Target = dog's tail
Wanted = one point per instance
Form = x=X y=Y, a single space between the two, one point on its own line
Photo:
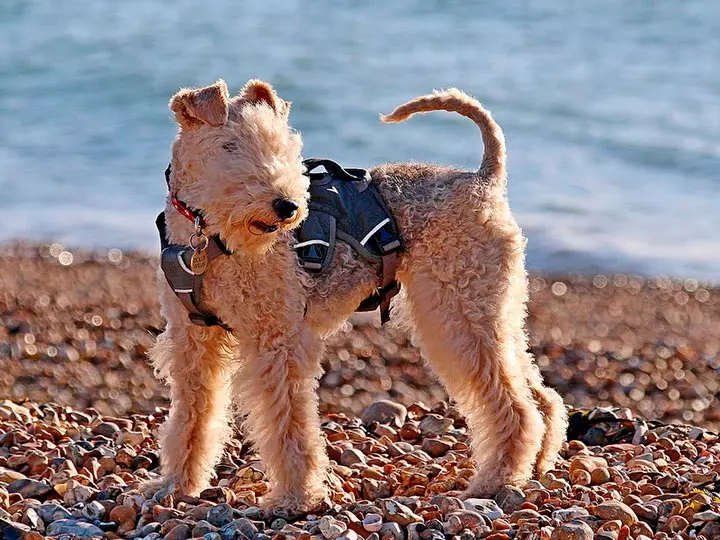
x=454 y=100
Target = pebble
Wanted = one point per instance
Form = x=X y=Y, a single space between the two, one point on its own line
x=398 y=513
x=72 y=527
x=220 y=515
x=570 y=514
x=29 y=488
x=611 y=510
x=332 y=528
x=463 y=519
x=436 y=447
x=485 y=507
x=372 y=522
x=434 y=424
x=576 y=530
x=510 y=498
x=390 y=530
x=49 y=512
x=385 y=412
x=94 y=510
x=352 y=457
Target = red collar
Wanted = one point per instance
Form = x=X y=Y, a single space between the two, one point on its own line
x=183 y=209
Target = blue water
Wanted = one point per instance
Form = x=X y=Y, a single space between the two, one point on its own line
x=611 y=110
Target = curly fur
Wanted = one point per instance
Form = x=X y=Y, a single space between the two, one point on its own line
x=464 y=296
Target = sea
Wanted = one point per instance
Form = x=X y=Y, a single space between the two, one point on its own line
x=611 y=111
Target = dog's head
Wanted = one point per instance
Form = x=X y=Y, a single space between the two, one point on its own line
x=237 y=160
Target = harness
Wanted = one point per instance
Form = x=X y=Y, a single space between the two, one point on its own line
x=344 y=205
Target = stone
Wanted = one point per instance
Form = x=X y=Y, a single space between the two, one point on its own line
x=375 y=489
x=485 y=507
x=239 y=528
x=510 y=498
x=463 y=519
x=145 y=530
x=31 y=517
x=94 y=510
x=332 y=528
x=77 y=493
x=390 y=531
x=12 y=530
x=587 y=463
x=73 y=527
x=49 y=512
x=123 y=514
x=203 y=527
x=385 y=412
x=711 y=530
x=436 y=447
x=181 y=531
x=610 y=510
x=351 y=457
x=676 y=524
x=106 y=429
x=220 y=515
x=576 y=530
x=30 y=489
x=707 y=515
x=398 y=513
x=8 y=476
x=523 y=515
x=434 y=424
x=568 y=514
x=600 y=476
x=372 y=522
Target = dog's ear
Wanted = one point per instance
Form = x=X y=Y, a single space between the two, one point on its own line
x=257 y=91
x=208 y=105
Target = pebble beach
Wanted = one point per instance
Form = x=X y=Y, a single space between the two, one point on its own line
x=635 y=358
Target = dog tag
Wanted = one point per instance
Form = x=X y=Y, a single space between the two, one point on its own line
x=199 y=262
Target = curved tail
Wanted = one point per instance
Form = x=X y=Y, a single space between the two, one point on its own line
x=454 y=100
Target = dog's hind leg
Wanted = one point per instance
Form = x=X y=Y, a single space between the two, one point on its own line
x=276 y=389
x=556 y=420
x=461 y=291
x=194 y=361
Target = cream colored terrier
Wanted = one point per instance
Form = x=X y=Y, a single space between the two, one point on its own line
x=463 y=291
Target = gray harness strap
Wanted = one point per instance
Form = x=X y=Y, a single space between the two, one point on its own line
x=187 y=286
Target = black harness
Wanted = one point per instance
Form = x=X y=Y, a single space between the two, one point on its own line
x=344 y=204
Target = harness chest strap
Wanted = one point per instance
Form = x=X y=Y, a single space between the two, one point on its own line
x=187 y=285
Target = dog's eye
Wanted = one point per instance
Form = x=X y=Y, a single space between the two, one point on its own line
x=230 y=146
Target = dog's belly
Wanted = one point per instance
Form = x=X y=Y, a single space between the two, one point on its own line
x=334 y=294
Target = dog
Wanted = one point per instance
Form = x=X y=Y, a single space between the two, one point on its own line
x=236 y=160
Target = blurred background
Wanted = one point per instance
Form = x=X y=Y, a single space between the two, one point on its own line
x=610 y=110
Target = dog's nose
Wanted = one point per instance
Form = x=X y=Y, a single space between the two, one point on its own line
x=284 y=208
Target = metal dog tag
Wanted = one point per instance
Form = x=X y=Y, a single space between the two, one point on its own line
x=199 y=262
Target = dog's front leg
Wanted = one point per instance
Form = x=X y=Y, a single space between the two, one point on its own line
x=276 y=389
x=194 y=361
